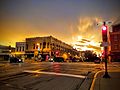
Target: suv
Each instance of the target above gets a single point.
(97, 60)
(58, 59)
(15, 60)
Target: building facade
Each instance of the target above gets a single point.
(115, 42)
(48, 45)
(5, 52)
(20, 48)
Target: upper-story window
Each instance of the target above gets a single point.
(20, 49)
(37, 46)
(23, 48)
(26, 46)
(48, 45)
(115, 38)
(116, 46)
(40, 45)
(44, 44)
(33, 46)
(53, 44)
(17, 49)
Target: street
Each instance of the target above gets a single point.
(59, 45)
(50, 75)
(45, 75)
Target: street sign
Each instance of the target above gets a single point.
(105, 44)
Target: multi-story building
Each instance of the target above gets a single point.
(48, 46)
(115, 42)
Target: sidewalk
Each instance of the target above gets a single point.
(112, 83)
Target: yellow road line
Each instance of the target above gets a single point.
(93, 82)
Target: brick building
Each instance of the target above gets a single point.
(48, 46)
(115, 42)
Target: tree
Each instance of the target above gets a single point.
(90, 56)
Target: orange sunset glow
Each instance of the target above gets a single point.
(66, 21)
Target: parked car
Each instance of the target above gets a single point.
(58, 59)
(37, 59)
(15, 60)
(97, 60)
(50, 60)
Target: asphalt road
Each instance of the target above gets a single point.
(46, 76)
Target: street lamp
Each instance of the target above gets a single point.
(9, 52)
(10, 48)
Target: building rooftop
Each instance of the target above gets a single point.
(48, 37)
(5, 47)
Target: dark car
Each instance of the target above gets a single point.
(15, 60)
(58, 59)
(97, 60)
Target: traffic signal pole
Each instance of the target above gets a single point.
(105, 40)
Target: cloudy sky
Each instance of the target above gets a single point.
(67, 20)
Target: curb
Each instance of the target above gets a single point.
(94, 78)
(87, 82)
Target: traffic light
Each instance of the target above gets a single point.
(104, 28)
(105, 41)
(104, 33)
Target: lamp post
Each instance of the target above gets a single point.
(9, 52)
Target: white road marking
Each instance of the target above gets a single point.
(53, 73)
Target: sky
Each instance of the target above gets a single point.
(67, 20)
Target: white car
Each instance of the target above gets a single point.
(50, 60)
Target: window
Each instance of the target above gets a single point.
(48, 45)
(26, 46)
(56, 46)
(33, 46)
(17, 49)
(36, 46)
(40, 45)
(20, 49)
(23, 48)
(59, 47)
(44, 44)
(115, 38)
(115, 46)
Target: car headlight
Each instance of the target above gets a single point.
(19, 59)
(51, 58)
